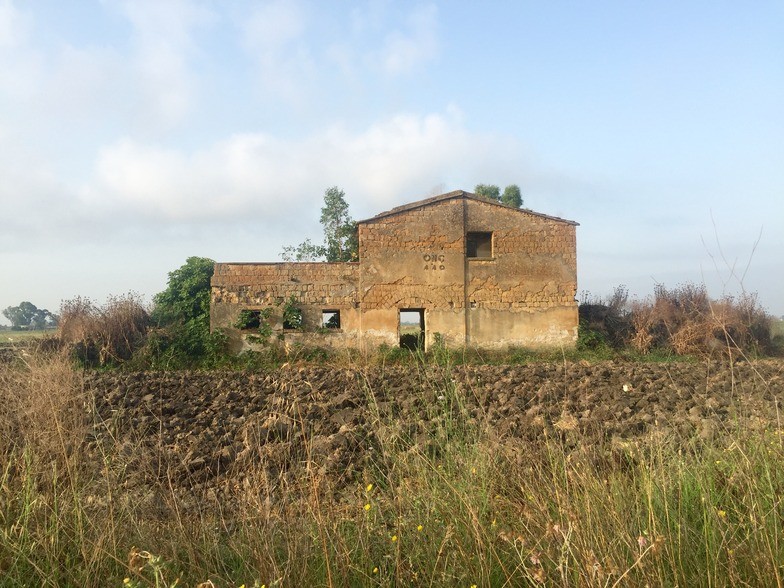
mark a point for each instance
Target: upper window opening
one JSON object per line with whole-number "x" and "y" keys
{"x": 330, "y": 319}
{"x": 479, "y": 245}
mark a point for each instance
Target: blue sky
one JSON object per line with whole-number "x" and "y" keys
{"x": 135, "y": 134}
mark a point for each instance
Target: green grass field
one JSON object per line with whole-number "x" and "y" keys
{"x": 22, "y": 336}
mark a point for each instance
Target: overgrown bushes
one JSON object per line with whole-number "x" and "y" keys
{"x": 175, "y": 334}
{"x": 683, "y": 320}
{"x": 107, "y": 334}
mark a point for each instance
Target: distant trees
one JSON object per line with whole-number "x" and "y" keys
{"x": 28, "y": 316}
{"x": 340, "y": 233}
{"x": 511, "y": 195}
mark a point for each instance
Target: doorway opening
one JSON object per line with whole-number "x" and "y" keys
{"x": 411, "y": 328}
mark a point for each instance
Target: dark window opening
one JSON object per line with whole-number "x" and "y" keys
{"x": 330, "y": 319}
{"x": 248, "y": 319}
{"x": 412, "y": 328}
{"x": 479, "y": 245}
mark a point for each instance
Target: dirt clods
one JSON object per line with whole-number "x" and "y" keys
{"x": 234, "y": 430}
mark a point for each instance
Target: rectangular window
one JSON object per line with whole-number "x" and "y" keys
{"x": 248, "y": 319}
{"x": 330, "y": 319}
{"x": 292, "y": 318}
{"x": 479, "y": 245}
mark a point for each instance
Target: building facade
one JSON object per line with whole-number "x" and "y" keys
{"x": 457, "y": 267}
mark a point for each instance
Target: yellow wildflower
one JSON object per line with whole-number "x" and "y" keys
{"x": 367, "y": 506}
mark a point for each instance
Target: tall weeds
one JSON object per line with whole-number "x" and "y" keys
{"x": 451, "y": 504}
{"x": 683, "y": 320}
{"x": 107, "y": 334}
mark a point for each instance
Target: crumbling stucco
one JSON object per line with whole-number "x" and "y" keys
{"x": 416, "y": 257}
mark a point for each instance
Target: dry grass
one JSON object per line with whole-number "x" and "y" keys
{"x": 107, "y": 334}
{"x": 683, "y": 320}
{"x": 464, "y": 509}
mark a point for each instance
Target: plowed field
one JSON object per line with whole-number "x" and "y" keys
{"x": 210, "y": 429}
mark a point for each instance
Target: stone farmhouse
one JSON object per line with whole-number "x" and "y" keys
{"x": 455, "y": 268}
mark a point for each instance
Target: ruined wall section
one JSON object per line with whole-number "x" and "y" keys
{"x": 525, "y": 293}
{"x": 534, "y": 263}
{"x": 413, "y": 259}
{"x": 316, "y": 287}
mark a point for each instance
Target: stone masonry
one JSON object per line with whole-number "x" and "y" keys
{"x": 471, "y": 271}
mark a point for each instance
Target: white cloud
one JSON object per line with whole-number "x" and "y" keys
{"x": 301, "y": 51}
{"x": 164, "y": 43}
{"x": 255, "y": 173}
{"x": 20, "y": 65}
{"x": 404, "y": 51}
{"x": 82, "y": 82}
{"x": 14, "y": 25}
{"x": 273, "y": 35}
{"x": 272, "y": 26}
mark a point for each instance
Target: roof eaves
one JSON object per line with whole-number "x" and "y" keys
{"x": 417, "y": 204}
{"x": 459, "y": 194}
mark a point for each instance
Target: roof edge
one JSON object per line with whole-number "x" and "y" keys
{"x": 455, "y": 194}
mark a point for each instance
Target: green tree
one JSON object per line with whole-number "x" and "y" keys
{"x": 512, "y": 196}
{"x": 187, "y": 295}
{"x": 489, "y": 191}
{"x": 340, "y": 233}
{"x": 340, "y": 230}
{"x": 183, "y": 309}
{"x": 28, "y": 315}
{"x": 305, "y": 251}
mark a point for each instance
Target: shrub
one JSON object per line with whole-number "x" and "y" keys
{"x": 103, "y": 335}
{"x": 686, "y": 321}
{"x": 182, "y": 317}
{"x": 683, "y": 320}
{"x": 605, "y": 321}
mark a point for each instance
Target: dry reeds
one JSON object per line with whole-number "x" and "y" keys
{"x": 682, "y": 320}
{"x": 104, "y": 334}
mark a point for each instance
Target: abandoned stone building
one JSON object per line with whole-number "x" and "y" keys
{"x": 456, "y": 268}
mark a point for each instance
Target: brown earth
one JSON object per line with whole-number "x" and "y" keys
{"x": 218, "y": 431}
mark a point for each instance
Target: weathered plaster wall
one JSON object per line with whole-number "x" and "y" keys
{"x": 315, "y": 286}
{"x": 525, "y": 294}
{"x": 413, "y": 260}
{"x": 414, "y": 257}
{"x": 417, "y": 259}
